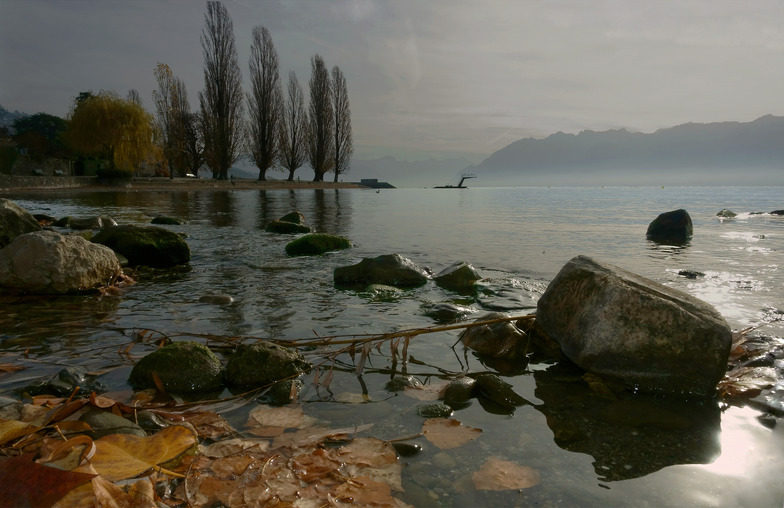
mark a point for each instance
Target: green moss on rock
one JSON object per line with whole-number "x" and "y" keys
{"x": 182, "y": 367}
{"x": 146, "y": 245}
{"x": 315, "y": 244}
{"x": 261, "y": 364}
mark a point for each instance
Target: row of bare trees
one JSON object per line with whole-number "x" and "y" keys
{"x": 279, "y": 132}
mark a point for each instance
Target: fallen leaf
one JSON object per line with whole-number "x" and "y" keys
{"x": 747, "y": 381}
{"x": 233, "y": 446}
{"x": 368, "y": 451}
{"x": 121, "y": 456}
{"x": 13, "y": 429}
{"x": 26, "y": 483}
{"x": 363, "y": 491}
{"x": 316, "y": 465}
{"x": 498, "y": 474}
{"x": 208, "y": 424}
{"x": 446, "y": 433}
{"x": 309, "y": 436}
{"x": 10, "y": 367}
{"x": 427, "y": 393}
{"x": 284, "y": 416}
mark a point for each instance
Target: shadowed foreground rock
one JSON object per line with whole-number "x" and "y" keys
{"x": 262, "y": 364}
{"x": 14, "y": 221}
{"x": 48, "y": 262}
{"x": 146, "y": 245}
{"x": 618, "y": 324}
{"x": 390, "y": 269}
{"x": 316, "y": 244}
{"x": 182, "y": 368}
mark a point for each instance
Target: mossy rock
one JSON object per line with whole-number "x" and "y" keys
{"x": 262, "y": 364}
{"x": 182, "y": 367}
{"x": 315, "y": 244}
{"x": 170, "y": 221}
{"x": 285, "y": 227}
{"x": 459, "y": 277}
{"x": 146, "y": 245}
{"x": 388, "y": 269}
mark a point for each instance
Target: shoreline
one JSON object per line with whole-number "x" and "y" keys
{"x": 10, "y": 184}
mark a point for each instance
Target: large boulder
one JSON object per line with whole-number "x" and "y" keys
{"x": 262, "y": 364}
{"x": 390, "y": 269}
{"x": 48, "y": 262}
{"x": 146, "y": 245}
{"x": 671, "y": 227}
{"x": 14, "y": 221}
{"x": 618, "y": 324}
{"x": 181, "y": 367}
{"x": 459, "y": 276}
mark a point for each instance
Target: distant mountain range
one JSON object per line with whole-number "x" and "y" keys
{"x": 731, "y": 153}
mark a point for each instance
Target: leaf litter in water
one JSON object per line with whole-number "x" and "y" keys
{"x": 499, "y": 474}
{"x": 446, "y": 433}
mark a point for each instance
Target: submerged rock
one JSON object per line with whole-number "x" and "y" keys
{"x": 615, "y": 323}
{"x": 182, "y": 368}
{"x": 673, "y": 227}
{"x": 316, "y": 244}
{"x": 170, "y": 221}
{"x": 727, "y": 214}
{"x": 65, "y": 382}
{"x": 284, "y": 227}
{"x": 262, "y": 364}
{"x": 14, "y": 221}
{"x": 460, "y": 391}
{"x": 104, "y": 423}
{"x": 390, "y": 269}
{"x": 48, "y": 262}
{"x": 434, "y": 410}
{"x": 293, "y": 217}
{"x": 499, "y": 393}
{"x": 459, "y": 276}
{"x": 448, "y": 312}
{"x": 146, "y": 245}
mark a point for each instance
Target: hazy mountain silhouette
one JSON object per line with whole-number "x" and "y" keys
{"x": 731, "y": 153}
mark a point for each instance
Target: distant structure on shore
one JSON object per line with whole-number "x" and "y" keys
{"x": 464, "y": 177}
{"x": 373, "y": 183}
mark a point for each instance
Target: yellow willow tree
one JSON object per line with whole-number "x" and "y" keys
{"x": 106, "y": 125}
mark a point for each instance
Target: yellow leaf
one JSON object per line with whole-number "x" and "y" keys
{"x": 498, "y": 474}
{"x": 13, "y": 429}
{"x": 447, "y": 433}
{"x": 122, "y": 456}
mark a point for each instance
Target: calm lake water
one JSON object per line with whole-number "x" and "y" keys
{"x": 588, "y": 450}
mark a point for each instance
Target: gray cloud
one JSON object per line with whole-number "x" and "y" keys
{"x": 432, "y": 77}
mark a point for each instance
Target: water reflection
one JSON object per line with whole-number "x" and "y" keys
{"x": 629, "y": 436}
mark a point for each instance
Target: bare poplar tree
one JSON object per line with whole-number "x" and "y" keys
{"x": 344, "y": 146}
{"x": 293, "y": 129}
{"x": 320, "y": 121}
{"x": 193, "y": 154}
{"x": 263, "y": 101}
{"x": 167, "y": 116}
{"x": 221, "y": 100}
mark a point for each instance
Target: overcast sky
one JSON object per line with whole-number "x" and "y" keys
{"x": 428, "y": 78}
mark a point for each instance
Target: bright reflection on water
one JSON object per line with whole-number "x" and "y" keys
{"x": 635, "y": 451}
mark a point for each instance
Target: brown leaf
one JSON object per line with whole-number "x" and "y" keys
{"x": 13, "y": 429}
{"x": 498, "y": 474}
{"x": 208, "y": 424}
{"x": 10, "y": 367}
{"x": 26, "y": 483}
{"x": 447, "y": 433}
{"x": 363, "y": 491}
{"x": 233, "y": 446}
{"x": 368, "y": 451}
{"x": 747, "y": 381}
{"x": 121, "y": 456}
{"x": 316, "y": 465}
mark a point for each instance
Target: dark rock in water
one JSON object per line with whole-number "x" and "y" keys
{"x": 44, "y": 218}
{"x": 293, "y": 217}
{"x": 399, "y": 383}
{"x": 459, "y": 277}
{"x": 285, "y": 227}
{"x": 284, "y": 392}
{"x": 436, "y": 410}
{"x": 618, "y": 324}
{"x": 497, "y": 340}
{"x": 391, "y": 269}
{"x": 671, "y": 227}
{"x": 316, "y": 244}
{"x": 65, "y": 382}
{"x": 47, "y": 262}
{"x": 628, "y": 436}
{"x": 104, "y": 423}
{"x": 146, "y": 245}
{"x": 262, "y": 364}
{"x": 86, "y": 222}
{"x": 448, "y": 312}
{"x": 777, "y": 212}
{"x": 499, "y": 392}
{"x": 220, "y": 299}
{"x": 406, "y": 449}
{"x": 460, "y": 391}
{"x": 14, "y": 221}
{"x": 690, "y": 274}
{"x": 182, "y": 367}
{"x": 726, "y": 213}
{"x": 170, "y": 221}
